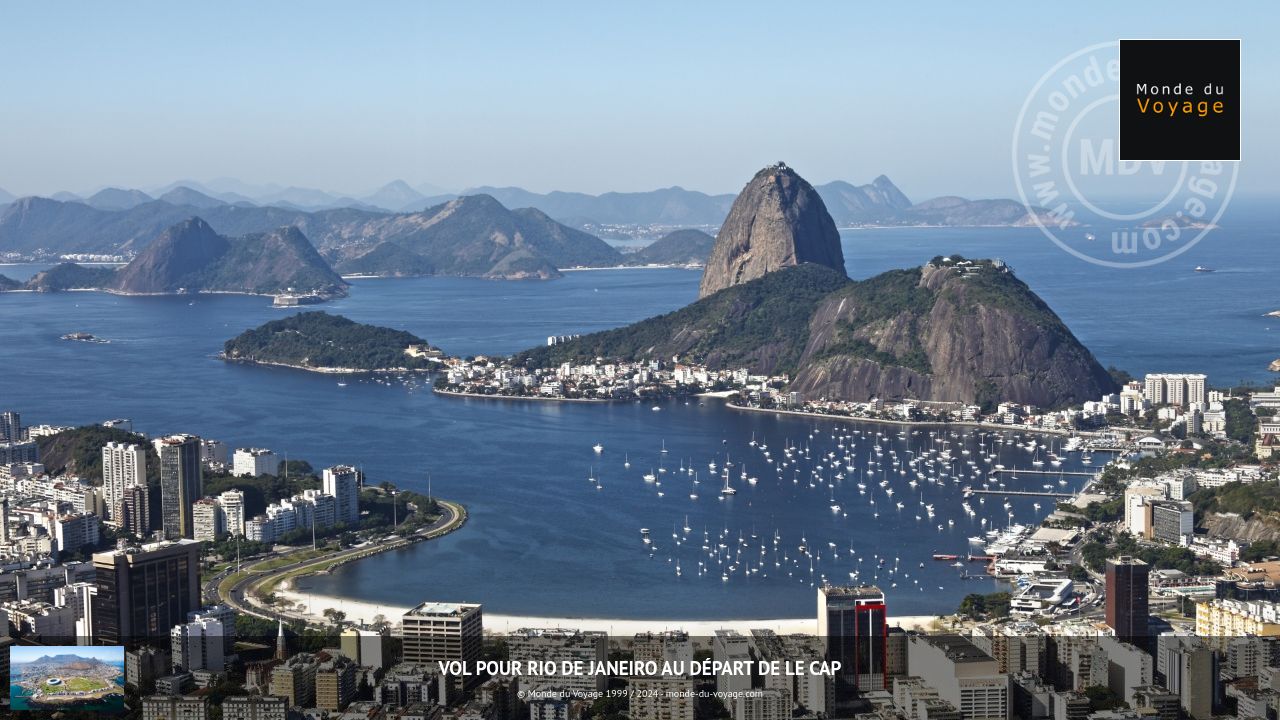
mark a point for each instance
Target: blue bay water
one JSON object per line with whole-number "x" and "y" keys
{"x": 541, "y": 539}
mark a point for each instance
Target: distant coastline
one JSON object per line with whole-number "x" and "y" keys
{"x": 458, "y": 393}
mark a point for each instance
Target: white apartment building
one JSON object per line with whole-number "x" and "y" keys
{"x": 1181, "y": 389}
{"x": 252, "y": 462}
{"x": 124, "y": 465}
{"x": 342, "y": 482}
{"x": 231, "y": 502}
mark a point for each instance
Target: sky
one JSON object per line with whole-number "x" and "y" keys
{"x": 589, "y": 97}
{"x": 19, "y": 654}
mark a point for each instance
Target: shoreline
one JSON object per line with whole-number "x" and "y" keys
{"x": 364, "y": 611}
{"x": 322, "y": 370}
{"x": 538, "y": 398}
{"x": 919, "y": 423}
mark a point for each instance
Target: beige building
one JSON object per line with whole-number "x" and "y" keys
{"x": 1218, "y": 621}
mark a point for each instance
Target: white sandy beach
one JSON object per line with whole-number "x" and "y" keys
{"x": 360, "y": 611}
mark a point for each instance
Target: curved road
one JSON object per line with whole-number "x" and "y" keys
{"x": 236, "y": 595}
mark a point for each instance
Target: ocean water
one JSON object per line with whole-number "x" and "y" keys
{"x": 542, "y": 540}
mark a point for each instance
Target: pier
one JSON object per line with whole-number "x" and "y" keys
{"x": 1055, "y": 473}
{"x": 1026, "y": 493}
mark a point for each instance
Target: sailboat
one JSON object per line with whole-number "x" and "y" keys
{"x": 626, "y": 461}
{"x": 727, "y": 489}
{"x": 598, "y": 448}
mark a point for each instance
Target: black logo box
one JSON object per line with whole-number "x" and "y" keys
{"x": 1181, "y": 65}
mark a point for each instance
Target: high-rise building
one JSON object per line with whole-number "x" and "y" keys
{"x": 11, "y": 426}
{"x": 144, "y": 591}
{"x": 341, "y": 481}
{"x": 853, "y": 622}
{"x": 206, "y": 520}
{"x": 439, "y": 632}
{"x": 181, "y": 483}
{"x": 767, "y": 704}
{"x": 135, "y": 510}
{"x": 199, "y": 645}
{"x": 1182, "y": 389}
{"x": 731, "y": 646}
{"x": 124, "y": 465}
{"x": 661, "y": 698}
{"x": 232, "y": 504}
{"x": 1173, "y": 521}
{"x": 1127, "y": 611}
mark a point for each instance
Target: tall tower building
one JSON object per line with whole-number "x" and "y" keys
{"x": 340, "y": 482}
{"x": 232, "y": 504}
{"x": 1127, "y": 594}
{"x": 142, "y": 592}
{"x": 10, "y": 426}
{"x": 181, "y": 483}
{"x": 281, "y": 651}
{"x": 124, "y": 465}
{"x": 853, "y": 623}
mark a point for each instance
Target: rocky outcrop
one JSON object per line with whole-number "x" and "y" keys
{"x": 1231, "y": 525}
{"x": 777, "y": 221}
{"x": 960, "y": 330}
{"x": 191, "y": 257}
{"x": 681, "y": 247}
{"x": 1274, "y": 366}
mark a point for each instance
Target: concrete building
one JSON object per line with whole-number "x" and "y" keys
{"x": 124, "y": 465}
{"x": 335, "y": 683}
{"x": 560, "y": 646}
{"x": 342, "y": 482}
{"x": 438, "y": 632}
{"x": 1179, "y": 389}
{"x": 254, "y": 707}
{"x": 135, "y": 511}
{"x": 367, "y": 647}
{"x": 295, "y": 680}
{"x": 143, "y": 665}
{"x": 175, "y": 707}
{"x": 1173, "y": 521}
{"x": 770, "y": 704}
{"x": 732, "y": 646}
{"x": 206, "y": 520}
{"x": 672, "y": 646}
{"x": 144, "y": 591}
{"x": 252, "y": 462}
{"x": 661, "y": 698}
{"x": 76, "y": 531}
{"x": 963, "y": 675}
{"x": 231, "y": 503}
{"x": 1220, "y": 620}
{"x": 199, "y": 645}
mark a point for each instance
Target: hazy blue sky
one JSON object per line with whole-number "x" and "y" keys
{"x": 589, "y": 96}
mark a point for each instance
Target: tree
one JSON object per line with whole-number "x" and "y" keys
{"x": 335, "y": 616}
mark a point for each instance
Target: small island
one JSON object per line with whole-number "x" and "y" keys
{"x": 319, "y": 342}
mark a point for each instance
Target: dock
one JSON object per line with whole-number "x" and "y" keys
{"x": 1025, "y": 493}
{"x": 1055, "y": 473}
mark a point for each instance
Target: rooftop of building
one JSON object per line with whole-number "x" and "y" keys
{"x": 867, "y": 592}
{"x": 442, "y": 609}
{"x": 957, "y": 648}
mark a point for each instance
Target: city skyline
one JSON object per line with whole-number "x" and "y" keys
{"x": 607, "y": 100}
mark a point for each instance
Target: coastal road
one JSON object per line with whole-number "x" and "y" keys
{"x": 236, "y": 592}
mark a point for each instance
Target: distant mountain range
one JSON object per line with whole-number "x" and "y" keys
{"x": 877, "y": 203}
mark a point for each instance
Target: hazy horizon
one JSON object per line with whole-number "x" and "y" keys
{"x": 586, "y": 99}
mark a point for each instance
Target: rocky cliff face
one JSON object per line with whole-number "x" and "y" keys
{"x": 963, "y": 331}
{"x": 778, "y": 220}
